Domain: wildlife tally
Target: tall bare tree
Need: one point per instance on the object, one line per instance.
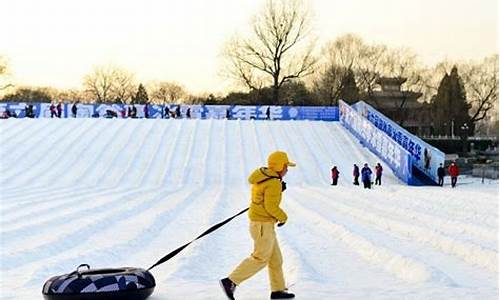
(279, 50)
(110, 84)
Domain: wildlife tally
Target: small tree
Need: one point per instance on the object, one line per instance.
(141, 97)
(29, 94)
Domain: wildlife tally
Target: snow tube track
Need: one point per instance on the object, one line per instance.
(119, 192)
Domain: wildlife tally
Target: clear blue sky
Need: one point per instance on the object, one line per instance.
(57, 42)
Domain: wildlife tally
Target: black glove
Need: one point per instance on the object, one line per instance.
(281, 224)
(283, 186)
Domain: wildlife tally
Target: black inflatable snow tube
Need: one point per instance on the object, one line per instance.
(100, 284)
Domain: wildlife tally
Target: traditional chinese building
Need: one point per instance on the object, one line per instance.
(402, 106)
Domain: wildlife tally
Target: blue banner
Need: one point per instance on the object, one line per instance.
(425, 157)
(242, 112)
(395, 156)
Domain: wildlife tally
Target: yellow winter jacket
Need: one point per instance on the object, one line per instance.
(266, 197)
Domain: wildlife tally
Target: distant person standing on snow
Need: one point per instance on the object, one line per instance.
(146, 111)
(134, 111)
(52, 110)
(378, 174)
(268, 113)
(355, 174)
(74, 110)
(454, 172)
(264, 213)
(366, 177)
(178, 112)
(59, 109)
(335, 175)
(167, 112)
(440, 173)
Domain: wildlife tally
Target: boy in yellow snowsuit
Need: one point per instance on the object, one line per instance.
(264, 213)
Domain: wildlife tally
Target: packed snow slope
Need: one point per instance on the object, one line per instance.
(115, 193)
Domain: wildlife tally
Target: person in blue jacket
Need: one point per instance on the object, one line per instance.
(366, 177)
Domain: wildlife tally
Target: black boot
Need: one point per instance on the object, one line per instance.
(282, 295)
(229, 287)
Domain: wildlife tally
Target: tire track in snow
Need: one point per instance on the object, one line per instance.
(448, 226)
(44, 155)
(130, 233)
(467, 252)
(404, 268)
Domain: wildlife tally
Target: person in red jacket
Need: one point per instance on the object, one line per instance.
(454, 172)
(335, 175)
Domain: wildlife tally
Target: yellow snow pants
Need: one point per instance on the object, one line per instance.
(266, 252)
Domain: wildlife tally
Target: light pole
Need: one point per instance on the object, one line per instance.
(452, 128)
(465, 131)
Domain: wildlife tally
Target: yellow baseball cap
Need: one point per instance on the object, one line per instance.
(277, 160)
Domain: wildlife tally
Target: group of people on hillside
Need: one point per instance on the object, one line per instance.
(175, 113)
(55, 111)
(366, 175)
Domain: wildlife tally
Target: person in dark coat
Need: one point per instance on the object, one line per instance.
(178, 112)
(134, 111)
(268, 113)
(355, 174)
(188, 113)
(335, 175)
(52, 110)
(74, 110)
(440, 173)
(167, 112)
(454, 172)
(29, 111)
(378, 174)
(59, 109)
(366, 177)
(146, 111)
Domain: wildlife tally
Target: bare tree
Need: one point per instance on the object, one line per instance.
(124, 85)
(238, 70)
(164, 92)
(328, 84)
(481, 85)
(350, 52)
(338, 57)
(3, 74)
(278, 50)
(110, 84)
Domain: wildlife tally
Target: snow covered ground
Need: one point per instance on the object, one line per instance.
(115, 193)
